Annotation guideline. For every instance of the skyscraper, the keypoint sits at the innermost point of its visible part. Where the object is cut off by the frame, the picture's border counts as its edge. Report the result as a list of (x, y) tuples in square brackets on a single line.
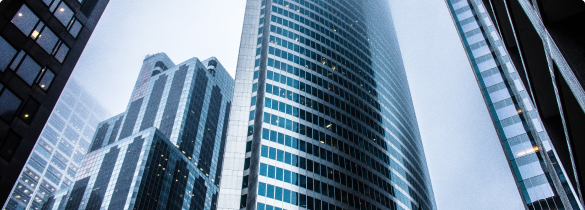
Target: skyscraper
[(528, 99), (57, 154), (322, 116), (164, 151), (40, 43)]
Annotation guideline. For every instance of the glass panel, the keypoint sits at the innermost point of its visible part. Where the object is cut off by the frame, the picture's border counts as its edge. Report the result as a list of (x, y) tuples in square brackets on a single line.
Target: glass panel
[(64, 14), (47, 79), (28, 70), (47, 40), (17, 60), (63, 50), (25, 20), (7, 53), (28, 111), (74, 31), (9, 103)]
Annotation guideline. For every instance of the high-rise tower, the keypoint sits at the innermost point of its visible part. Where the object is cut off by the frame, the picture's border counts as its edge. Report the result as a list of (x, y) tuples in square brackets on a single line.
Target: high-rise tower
[(533, 90), (322, 116), (40, 43), (57, 154), (164, 151)]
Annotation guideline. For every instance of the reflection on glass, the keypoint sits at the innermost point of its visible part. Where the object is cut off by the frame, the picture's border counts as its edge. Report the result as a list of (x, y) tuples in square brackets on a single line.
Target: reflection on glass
[(9, 103), (28, 70), (47, 40), (64, 14), (60, 55), (25, 20), (7, 53)]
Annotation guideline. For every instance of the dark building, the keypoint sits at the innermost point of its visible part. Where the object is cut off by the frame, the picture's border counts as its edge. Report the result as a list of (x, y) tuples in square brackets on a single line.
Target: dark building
[(529, 60), (546, 42), (164, 152), (40, 43), (322, 116)]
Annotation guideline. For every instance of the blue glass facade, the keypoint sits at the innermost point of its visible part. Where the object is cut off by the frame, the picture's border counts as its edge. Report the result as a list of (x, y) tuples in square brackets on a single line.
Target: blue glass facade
[(164, 151), (322, 115), (542, 181), (57, 154)]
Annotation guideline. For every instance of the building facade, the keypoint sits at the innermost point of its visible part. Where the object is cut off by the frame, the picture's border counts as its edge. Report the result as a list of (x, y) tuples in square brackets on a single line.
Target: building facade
[(164, 151), (40, 43), (57, 155), (322, 116), (540, 154)]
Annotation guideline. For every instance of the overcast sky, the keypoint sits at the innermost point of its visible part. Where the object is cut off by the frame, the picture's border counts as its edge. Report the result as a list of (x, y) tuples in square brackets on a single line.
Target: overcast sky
[(466, 162)]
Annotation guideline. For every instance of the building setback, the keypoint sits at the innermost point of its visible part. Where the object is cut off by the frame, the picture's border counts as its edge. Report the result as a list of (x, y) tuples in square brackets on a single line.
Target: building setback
[(57, 154), (40, 43), (532, 87), (164, 151), (322, 115)]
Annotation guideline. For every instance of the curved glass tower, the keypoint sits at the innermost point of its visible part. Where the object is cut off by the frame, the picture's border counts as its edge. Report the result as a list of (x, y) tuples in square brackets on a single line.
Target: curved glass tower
[(322, 116)]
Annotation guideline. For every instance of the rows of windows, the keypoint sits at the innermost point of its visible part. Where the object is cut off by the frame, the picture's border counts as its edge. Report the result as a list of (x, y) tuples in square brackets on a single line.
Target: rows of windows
[(331, 99), (315, 119), (344, 83), (315, 56), (322, 34), (313, 203), (312, 183), (324, 109), (356, 42), (326, 41), (334, 158)]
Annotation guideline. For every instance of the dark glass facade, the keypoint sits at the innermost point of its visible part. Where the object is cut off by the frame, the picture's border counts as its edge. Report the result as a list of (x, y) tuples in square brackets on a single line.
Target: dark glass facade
[(324, 117), (40, 43), (532, 90), (170, 142)]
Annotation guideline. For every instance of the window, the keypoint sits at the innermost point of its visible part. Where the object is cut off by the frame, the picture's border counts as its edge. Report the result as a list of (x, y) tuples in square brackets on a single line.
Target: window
[(25, 20), (9, 104), (47, 39), (7, 52), (75, 28), (62, 52), (64, 14), (29, 110), (46, 79), (28, 70)]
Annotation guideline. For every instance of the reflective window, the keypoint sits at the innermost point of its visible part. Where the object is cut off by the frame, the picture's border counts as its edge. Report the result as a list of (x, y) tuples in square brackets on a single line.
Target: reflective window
[(62, 52), (75, 28), (7, 52), (46, 80), (28, 70), (64, 14), (47, 40), (8, 104), (25, 20)]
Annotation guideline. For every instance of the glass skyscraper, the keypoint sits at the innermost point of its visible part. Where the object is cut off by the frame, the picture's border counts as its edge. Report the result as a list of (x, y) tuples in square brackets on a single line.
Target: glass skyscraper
[(543, 179), (322, 116), (164, 151), (59, 150)]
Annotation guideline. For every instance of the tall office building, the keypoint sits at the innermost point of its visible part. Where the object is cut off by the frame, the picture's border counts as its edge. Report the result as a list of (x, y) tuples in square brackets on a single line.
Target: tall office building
[(322, 116), (164, 151), (57, 155), (40, 43), (533, 94)]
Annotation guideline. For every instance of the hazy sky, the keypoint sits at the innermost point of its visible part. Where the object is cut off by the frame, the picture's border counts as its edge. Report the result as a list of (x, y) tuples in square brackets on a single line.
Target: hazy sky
[(466, 162)]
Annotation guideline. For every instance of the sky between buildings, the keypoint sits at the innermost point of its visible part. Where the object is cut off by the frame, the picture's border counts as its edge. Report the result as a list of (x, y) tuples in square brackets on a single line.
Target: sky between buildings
[(466, 162)]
